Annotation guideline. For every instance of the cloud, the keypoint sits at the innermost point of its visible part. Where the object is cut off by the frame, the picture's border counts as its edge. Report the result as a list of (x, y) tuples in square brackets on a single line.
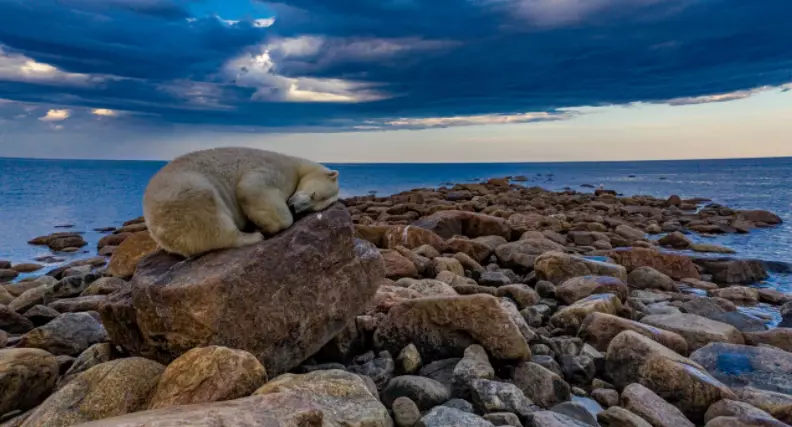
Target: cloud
[(358, 64), (56, 115), (104, 112)]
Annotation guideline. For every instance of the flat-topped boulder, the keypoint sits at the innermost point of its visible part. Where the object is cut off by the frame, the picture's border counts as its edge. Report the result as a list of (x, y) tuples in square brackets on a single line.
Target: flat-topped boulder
[(281, 299), (558, 267), (675, 266)]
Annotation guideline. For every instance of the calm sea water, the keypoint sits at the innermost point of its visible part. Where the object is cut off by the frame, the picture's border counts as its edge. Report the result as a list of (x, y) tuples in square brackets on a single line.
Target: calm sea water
[(38, 195)]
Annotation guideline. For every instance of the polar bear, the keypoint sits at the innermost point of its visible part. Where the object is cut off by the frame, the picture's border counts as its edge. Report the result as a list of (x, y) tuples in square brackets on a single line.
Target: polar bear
[(204, 200)]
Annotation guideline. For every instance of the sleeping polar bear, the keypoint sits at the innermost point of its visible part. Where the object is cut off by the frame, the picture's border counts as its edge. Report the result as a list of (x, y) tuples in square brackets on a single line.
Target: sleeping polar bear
[(202, 201)]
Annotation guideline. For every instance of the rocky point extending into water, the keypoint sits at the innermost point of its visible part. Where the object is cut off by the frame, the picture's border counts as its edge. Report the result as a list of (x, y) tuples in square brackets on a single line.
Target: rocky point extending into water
[(488, 304)]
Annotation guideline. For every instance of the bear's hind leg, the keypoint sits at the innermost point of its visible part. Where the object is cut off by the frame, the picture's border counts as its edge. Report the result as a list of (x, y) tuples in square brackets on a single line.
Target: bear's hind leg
[(265, 207)]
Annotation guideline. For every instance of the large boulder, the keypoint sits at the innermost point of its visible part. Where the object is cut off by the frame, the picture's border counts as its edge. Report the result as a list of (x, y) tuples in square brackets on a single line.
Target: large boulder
[(634, 358), (27, 377), (281, 299), (107, 390), (651, 407), (760, 216), (208, 374), (599, 329), (765, 368), (675, 266), (558, 267), (448, 224), (734, 271), (130, 252), (698, 331), (445, 326)]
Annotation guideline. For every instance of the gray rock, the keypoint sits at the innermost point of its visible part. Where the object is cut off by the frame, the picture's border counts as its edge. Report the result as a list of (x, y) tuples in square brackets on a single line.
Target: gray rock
[(94, 355), (441, 371), (765, 368), (70, 334), (405, 412), (494, 278), (503, 419), (461, 404), (425, 392), (651, 407), (41, 315), (474, 365), (578, 370), (543, 386), (617, 416), (554, 419), (545, 289), (494, 396), (577, 412), (380, 369), (549, 363), (443, 416), (649, 278), (606, 397)]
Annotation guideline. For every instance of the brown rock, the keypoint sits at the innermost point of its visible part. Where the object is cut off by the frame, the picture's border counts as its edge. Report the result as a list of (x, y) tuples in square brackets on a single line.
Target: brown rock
[(27, 267), (397, 265), (629, 233), (739, 294), (5, 296), (558, 267), (733, 408), (410, 237), (675, 240), (778, 337), (66, 242), (578, 288), (778, 405), (69, 334), (649, 278), (523, 253), (13, 322), (452, 265), (675, 266), (521, 294), (651, 407), (372, 233), (542, 386), (617, 416), (710, 248), (129, 253), (599, 329), (571, 317), (444, 327), (27, 377), (698, 331), (475, 249), (94, 355), (107, 390), (281, 299), (208, 374), (449, 223), (113, 240), (7, 275), (79, 304), (105, 286), (734, 271), (760, 216)]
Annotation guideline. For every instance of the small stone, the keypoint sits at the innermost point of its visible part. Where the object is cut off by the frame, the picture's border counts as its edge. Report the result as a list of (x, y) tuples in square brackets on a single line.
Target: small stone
[(425, 392), (675, 240), (541, 385), (606, 397), (494, 278), (443, 416), (380, 369), (494, 396), (405, 412), (545, 289), (555, 419), (649, 278), (617, 416), (409, 359), (474, 365), (503, 419), (41, 315), (578, 288), (441, 371), (579, 370), (27, 267)]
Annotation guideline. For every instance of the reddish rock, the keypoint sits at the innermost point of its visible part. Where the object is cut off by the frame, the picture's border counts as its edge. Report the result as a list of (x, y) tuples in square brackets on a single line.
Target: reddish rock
[(475, 249), (112, 240), (372, 233), (281, 299), (129, 253), (673, 265), (410, 237), (448, 224), (397, 265)]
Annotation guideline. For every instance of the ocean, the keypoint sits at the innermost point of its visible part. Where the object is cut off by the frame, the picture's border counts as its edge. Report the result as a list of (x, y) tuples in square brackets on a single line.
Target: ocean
[(36, 196)]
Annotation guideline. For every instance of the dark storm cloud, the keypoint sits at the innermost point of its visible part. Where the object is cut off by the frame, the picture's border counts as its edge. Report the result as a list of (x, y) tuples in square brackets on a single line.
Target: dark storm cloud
[(399, 58)]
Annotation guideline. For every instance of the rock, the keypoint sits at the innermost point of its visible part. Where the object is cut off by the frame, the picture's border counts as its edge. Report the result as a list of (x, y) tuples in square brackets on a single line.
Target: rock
[(542, 386), (428, 287), (745, 421), (474, 365), (578, 370), (397, 265), (760, 216), (443, 416), (41, 315), (709, 248), (738, 294), (521, 294), (571, 317), (599, 329), (523, 253), (280, 305), (778, 337), (629, 233), (112, 240), (94, 355), (441, 371), (7, 275), (675, 240), (503, 419), (578, 288), (734, 271), (587, 238), (651, 407), (452, 265), (126, 257), (734, 408), (208, 374), (70, 334), (460, 404), (380, 369), (765, 368), (18, 288), (495, 396), (13, 322), (27, 267), (477, 250), (578, 411), (778, 405), (61, 243), (341, 398), (425, 392), (617, 416), (634, 358), (700, 284), (494, 278), (605, 397), (649, 278), (698, 331), (27, 377), (5, 296), (105, 286), (555, 419), (30, 298), (445, 327), (773, 296), (409, 359), (78, 304), (557, 267), (410, 237), (110, 389), (675, 266), (405, 412), (448, 224)]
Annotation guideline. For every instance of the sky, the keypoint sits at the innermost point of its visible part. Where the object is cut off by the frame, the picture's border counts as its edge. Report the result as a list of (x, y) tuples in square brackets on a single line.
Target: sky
[(397, 80)]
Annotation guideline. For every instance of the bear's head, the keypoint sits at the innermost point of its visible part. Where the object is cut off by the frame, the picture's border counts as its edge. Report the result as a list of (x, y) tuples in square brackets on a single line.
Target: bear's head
[(315, 191)]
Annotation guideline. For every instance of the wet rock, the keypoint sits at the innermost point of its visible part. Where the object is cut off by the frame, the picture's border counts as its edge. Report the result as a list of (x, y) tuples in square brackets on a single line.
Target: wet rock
[(474, 365), (409, 360), (543, 386), (557, 267), (578, 288), (674, 266), (94, 355), (27, 377), (62, 242), (760, 216), (599, 329), (445, 327), (710, 248), (280, 305), (494, 396), (208, 374), (778, 337), (570, 318), (634, 358), (443, 416), (651, 407), (449, 223), (617, 416), (70, 334), (13, 322), (425, 392), (405, 412), (78, 304), (675, 240), (765, 368), (649, 278), (523, 253), (110, 389), (7, 275), (27, 267), (698, 331)]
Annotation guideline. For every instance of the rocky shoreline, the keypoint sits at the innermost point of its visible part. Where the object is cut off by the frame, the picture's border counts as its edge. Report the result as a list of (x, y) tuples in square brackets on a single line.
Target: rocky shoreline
[(487, 304)]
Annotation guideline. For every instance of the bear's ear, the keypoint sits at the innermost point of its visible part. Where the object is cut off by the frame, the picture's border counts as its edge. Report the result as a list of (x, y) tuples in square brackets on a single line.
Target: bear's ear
[(333, 174)]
